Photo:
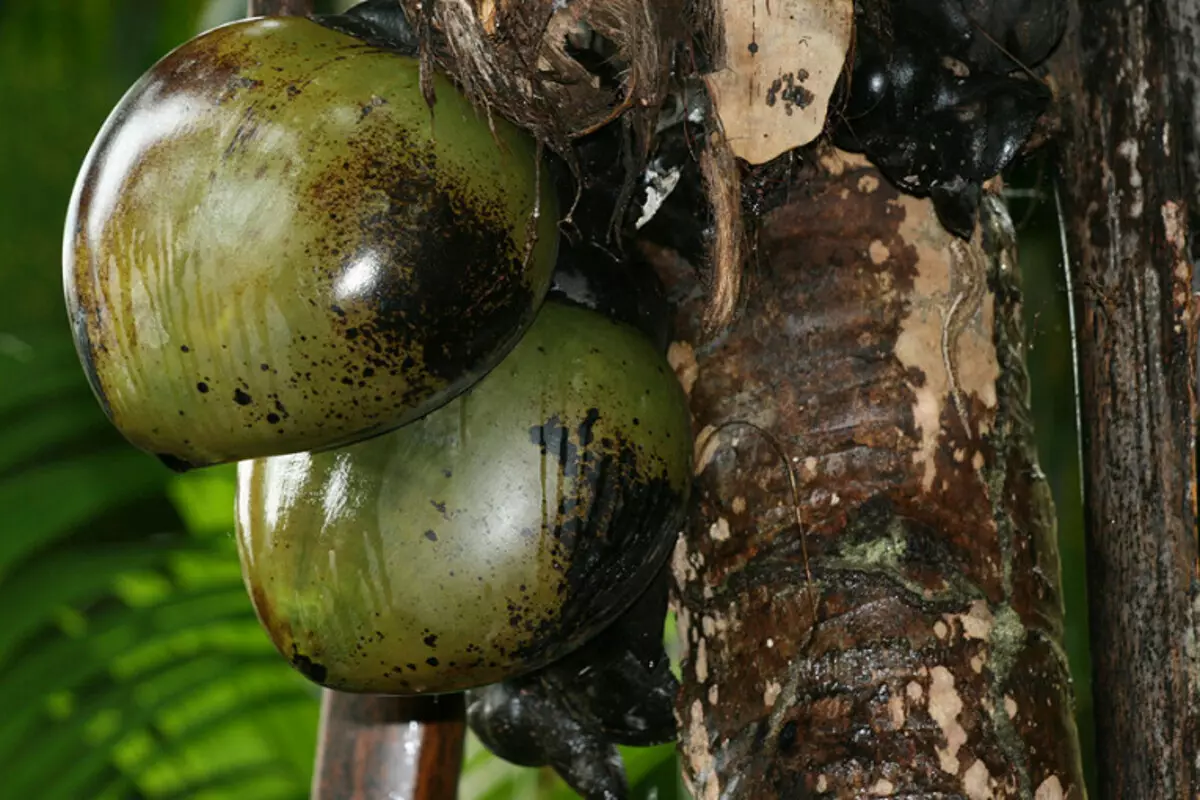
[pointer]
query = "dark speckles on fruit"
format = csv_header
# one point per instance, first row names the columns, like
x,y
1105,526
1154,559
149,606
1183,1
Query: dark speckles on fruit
x,y
241,398
431,661
431,536
202,387
430,640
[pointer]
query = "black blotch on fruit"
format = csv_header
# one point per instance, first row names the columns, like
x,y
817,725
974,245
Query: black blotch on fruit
x,y
461,286
174,463
612,530
241,398
307,667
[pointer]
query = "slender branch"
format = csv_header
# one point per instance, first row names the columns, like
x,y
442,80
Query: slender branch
x,y
395,747
1127,227
371,746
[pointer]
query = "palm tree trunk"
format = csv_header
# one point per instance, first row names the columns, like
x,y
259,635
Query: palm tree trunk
x,y
868,589
1128,72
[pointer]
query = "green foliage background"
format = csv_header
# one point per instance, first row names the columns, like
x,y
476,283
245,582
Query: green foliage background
x,y
133,664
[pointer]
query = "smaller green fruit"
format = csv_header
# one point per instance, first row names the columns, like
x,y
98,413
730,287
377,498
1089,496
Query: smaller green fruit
x,y
486,539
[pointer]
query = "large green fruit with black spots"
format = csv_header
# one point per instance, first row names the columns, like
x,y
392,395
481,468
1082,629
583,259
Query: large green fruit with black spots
x,y
489,538
275,245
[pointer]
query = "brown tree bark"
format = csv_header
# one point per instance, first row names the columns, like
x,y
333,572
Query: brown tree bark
x,y
400,748
1127,71
916,652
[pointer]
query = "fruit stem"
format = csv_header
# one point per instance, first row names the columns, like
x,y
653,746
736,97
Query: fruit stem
x,y
403,748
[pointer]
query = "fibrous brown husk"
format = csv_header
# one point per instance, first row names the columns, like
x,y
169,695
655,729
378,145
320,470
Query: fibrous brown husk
x,y
514,57
562,69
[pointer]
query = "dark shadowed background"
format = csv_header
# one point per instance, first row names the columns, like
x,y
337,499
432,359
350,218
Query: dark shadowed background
x,y
133,665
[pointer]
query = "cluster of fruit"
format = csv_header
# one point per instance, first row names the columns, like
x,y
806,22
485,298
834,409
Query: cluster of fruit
x,y
279,253
941,96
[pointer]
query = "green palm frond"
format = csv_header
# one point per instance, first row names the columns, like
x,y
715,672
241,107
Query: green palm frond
x,y
135,664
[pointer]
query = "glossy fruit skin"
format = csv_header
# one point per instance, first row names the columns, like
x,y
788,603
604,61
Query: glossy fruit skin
x,y
274,245
487,539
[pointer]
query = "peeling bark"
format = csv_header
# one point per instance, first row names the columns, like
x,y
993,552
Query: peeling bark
x,y
934,667
1126,71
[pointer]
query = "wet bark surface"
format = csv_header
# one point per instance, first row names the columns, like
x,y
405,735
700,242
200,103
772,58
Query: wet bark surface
x,y
400,748
924,657
1127,72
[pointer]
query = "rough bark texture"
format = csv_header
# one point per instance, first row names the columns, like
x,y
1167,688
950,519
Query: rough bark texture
x,y
1126,144
397,748
934,668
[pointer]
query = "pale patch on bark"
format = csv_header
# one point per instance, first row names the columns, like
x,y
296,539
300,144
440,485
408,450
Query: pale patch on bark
x,y
1049,789
896,711
883,788
682,358
700,757
943,331
977,782
978,622
719,530
704,448
680,564
771,693
945,705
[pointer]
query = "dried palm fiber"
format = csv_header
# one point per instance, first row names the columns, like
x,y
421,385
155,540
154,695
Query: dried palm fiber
x,y
534,63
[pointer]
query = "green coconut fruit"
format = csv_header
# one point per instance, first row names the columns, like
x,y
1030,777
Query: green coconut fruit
x,y
488,538
276,245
